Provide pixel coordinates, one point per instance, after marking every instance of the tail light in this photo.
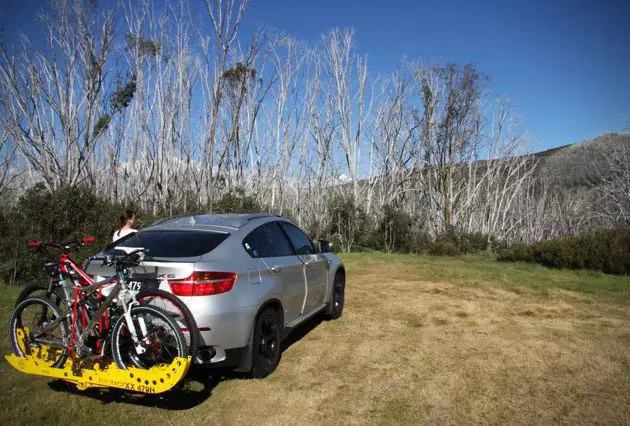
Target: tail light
(203, 284)
(88, 240)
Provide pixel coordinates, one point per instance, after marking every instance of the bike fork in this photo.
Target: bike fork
(132, 327)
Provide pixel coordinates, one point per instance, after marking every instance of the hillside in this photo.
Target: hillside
(582, 163)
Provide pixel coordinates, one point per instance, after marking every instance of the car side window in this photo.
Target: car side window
(300, 242)
(250, 243)
(267, 241)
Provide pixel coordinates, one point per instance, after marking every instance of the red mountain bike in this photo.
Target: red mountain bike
(65, 269)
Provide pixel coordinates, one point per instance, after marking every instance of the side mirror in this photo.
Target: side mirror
(325, 246)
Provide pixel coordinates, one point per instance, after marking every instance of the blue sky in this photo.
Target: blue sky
(564, 64)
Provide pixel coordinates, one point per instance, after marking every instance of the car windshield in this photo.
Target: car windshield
(166, 244)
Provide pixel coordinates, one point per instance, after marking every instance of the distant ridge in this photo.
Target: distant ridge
(604, 139)
(549, 152)
(580, 164)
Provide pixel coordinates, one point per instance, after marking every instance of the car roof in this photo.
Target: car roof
(209, 221)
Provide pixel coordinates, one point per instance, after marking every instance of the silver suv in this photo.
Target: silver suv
(247, 279)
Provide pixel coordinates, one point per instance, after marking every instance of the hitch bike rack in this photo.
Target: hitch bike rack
(96, 374)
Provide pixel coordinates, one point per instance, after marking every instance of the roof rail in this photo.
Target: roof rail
(260, 215)
(179, 216)
(205, 219)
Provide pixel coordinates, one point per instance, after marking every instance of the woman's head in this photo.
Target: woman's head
(127, 218)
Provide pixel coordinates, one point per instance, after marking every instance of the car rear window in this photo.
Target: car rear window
(165, 244)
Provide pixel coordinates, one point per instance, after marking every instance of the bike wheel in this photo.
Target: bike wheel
(162, 340)
(173, 306)
(42, 289)
(37, 328)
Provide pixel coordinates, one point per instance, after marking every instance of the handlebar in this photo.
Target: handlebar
(129, 260)
(70, 245)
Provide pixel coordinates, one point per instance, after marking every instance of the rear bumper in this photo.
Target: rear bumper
(227, 333)
(222, 323)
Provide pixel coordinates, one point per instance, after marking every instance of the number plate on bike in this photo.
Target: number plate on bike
(143, 285)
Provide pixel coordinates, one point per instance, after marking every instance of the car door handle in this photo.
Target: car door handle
(276, 268)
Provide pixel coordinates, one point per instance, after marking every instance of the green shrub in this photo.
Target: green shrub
(70, 213)
(237, 202)
(53, 217)
(605, 250)
(337, 242)
(465, 243)
(316, 231)
(473, 243)
(395, 230)
(420, 242)
(350, 224)
(443, 248)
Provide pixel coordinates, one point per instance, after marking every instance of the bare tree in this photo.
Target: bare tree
(352, 99)
(494, 184)
(157, 160)
(225, 19)
(322, 128)
(286, 116)
(396, 140)
(54, 101)
(10, 170)
(170, 120)
(613, 191)
(451, 131)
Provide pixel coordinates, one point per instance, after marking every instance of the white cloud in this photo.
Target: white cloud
(344, 178)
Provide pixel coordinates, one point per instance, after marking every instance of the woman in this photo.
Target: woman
(126, 222)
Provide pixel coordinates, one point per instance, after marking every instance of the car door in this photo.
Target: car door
(282, 266)
(315, 265)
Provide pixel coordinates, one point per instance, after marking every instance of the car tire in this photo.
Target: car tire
(337, 298)
(266, 344)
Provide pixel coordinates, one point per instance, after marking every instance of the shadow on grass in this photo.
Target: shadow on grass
(192, 391)
(296, 334)
(196, 388)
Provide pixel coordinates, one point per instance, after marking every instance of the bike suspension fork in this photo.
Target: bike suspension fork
(133, 331)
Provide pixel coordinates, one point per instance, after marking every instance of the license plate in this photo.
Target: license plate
(143, 285)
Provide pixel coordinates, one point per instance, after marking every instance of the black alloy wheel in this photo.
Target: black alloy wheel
(266, 350)
(335, 309)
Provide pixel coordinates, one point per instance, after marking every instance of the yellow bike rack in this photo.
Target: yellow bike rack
(157, 379)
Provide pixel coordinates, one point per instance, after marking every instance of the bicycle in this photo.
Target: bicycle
(66, 269)
(143, 336)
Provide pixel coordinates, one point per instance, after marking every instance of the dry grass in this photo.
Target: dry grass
(422, 339)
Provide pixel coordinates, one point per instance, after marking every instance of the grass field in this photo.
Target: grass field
(422, 339)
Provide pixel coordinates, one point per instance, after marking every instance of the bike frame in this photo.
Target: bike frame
(86, 287)
(83, 284)
(68, 266)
